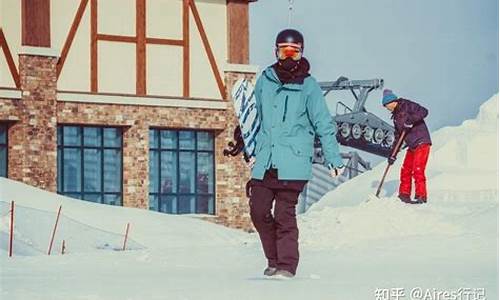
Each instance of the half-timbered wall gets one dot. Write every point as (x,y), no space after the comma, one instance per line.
(10,26)
(140,47)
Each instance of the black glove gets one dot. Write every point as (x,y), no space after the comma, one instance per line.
(391,160)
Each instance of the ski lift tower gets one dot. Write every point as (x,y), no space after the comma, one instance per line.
(356,128)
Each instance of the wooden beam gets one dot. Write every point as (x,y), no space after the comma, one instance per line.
(140,61)
(116,38)
(10,61)
(93,46)
(35,23)
(237,31)
(71,35)
(185,52)
(208,49)
(168,42)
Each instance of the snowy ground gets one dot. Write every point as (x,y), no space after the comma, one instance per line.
(349,246)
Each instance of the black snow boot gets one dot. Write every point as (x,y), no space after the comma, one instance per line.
(270,271)
(420,199)
(405,198)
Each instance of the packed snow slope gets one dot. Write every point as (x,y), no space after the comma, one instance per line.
(463,160)
(81,223)
(350,247)
(462,180)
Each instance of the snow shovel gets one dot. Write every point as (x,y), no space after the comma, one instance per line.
(393,154)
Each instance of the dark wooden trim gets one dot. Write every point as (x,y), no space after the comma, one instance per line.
(10,61)
(93,46)
(169,42)
(9,123)
(237,31)
(35,23)
(185,52)
(208,49)
(93,124)
(71,35)
(3,88)
(116,38)
(140,27)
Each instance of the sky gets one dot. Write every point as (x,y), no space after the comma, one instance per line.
(442,54)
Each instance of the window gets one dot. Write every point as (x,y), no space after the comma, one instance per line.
(3,150)
(89,163)
(181,171)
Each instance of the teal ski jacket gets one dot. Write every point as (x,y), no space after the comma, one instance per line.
(290,115)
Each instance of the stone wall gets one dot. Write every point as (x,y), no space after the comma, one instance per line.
(9,110)
(33,139)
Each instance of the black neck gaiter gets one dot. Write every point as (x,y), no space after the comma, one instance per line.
(290,71)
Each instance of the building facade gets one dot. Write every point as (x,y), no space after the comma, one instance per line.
(125,102)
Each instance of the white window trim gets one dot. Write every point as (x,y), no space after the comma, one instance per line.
(9,93)
(64,96)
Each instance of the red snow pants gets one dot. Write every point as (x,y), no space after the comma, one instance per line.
(414,168)
(278,231)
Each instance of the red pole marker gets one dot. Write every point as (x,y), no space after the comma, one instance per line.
(126,236)
(11,231)
(54,231)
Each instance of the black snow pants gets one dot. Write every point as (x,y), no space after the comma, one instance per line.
(278,232)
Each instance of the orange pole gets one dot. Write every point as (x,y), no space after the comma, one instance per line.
(54,231)
(394,152)
(126,236)
(11,231)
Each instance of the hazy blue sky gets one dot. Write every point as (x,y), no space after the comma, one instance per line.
(441,53)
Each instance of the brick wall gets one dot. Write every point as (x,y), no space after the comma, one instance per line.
(9,110)
(33,139)
(136,121)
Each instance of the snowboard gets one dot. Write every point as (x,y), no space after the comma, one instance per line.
(245,108)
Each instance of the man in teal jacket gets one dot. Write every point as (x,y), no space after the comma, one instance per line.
(292,110)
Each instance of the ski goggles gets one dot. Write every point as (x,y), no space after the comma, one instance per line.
(289,50)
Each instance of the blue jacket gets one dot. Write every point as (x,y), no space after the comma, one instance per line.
(290,115)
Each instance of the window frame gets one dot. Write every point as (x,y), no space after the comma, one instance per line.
(6,145)
(177,150)
(82,147)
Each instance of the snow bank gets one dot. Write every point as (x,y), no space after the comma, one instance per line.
(462,180)
(87,226)
(349,247)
